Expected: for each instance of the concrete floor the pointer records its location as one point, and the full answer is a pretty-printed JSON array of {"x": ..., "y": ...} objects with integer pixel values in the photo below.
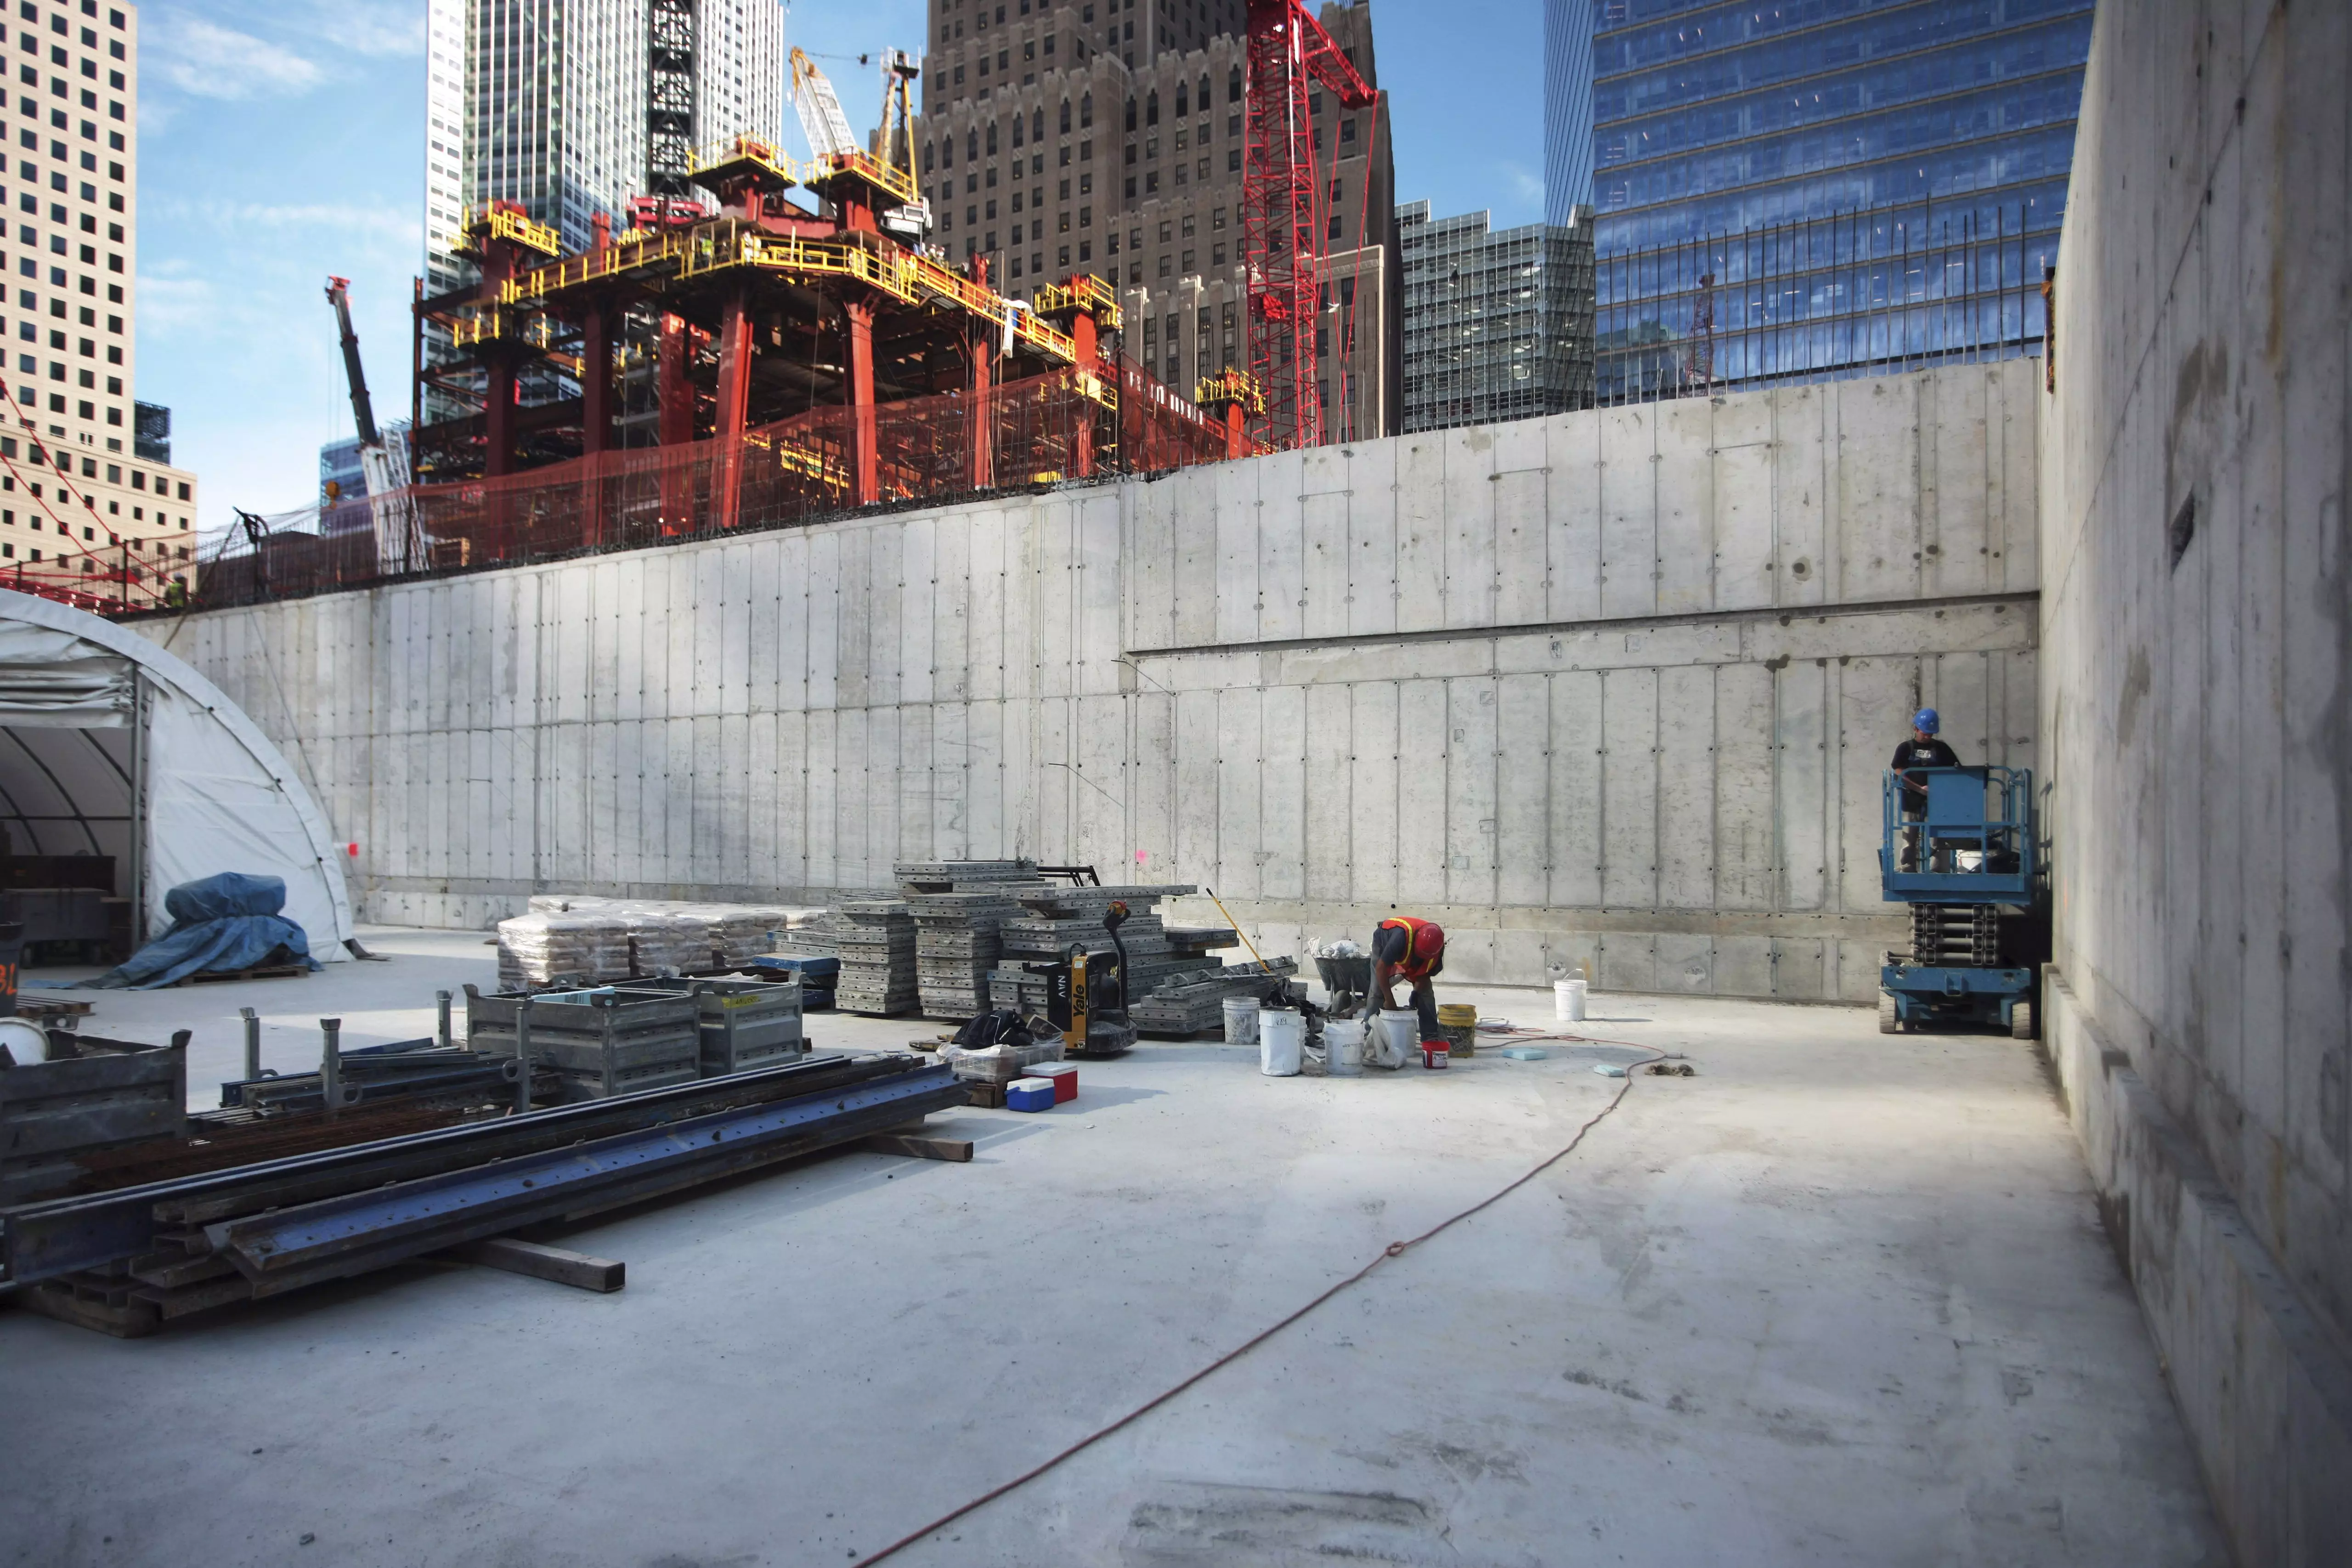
[{"x": 1841, "y": 1299}]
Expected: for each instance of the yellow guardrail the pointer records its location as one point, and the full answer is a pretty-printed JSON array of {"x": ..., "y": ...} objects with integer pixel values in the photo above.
[
  {"x": 636, "y": 251},
  {"x": 748, "y": 150},
  {"x": 905, "y": 276},
  {"x": 1231, "y": 384},
  {"x": 497, "y": 223},
  {"x": 881, "y": 176},
  {"x": 1087, "y": 293}
]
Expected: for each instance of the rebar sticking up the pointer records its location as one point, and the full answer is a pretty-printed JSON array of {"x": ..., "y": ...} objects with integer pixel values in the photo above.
[{"x": 331, "y": 1063}]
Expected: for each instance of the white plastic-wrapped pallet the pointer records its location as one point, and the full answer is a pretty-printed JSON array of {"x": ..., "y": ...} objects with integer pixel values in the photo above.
[{"x": 535, "y": 948}]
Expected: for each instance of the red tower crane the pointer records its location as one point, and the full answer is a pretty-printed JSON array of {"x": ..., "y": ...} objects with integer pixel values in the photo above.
[{"x": 1284, "y": 208}]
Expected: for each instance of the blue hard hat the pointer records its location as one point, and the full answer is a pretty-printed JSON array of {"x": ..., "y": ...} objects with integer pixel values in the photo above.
[{"x": 1926, "y": 720}]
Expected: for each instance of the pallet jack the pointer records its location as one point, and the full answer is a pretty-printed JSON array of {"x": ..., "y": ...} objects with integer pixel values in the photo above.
[
  {"x": 1968, "y": 867},
  {"x": 1086, "y": 995}
]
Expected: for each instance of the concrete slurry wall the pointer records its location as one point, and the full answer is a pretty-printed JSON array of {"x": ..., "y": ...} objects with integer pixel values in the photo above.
[
  {"x": 2195, "y": 627},
  {"x": 1612, "y": 688}
]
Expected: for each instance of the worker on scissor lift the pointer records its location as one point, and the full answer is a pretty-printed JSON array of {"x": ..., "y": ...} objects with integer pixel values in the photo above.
[
  {"x": 1923, "y": 750},
  {"x": 1412, "y": 951}
]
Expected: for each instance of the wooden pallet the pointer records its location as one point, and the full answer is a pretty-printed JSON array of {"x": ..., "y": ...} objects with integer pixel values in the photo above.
[{"x": 259, "y": 972}]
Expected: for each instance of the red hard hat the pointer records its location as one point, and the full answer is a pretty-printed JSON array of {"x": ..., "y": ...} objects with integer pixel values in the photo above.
[{"x": 1429, "y": 941}]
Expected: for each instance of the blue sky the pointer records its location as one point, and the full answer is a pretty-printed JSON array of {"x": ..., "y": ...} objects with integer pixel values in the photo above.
[{"x": 280, "y": 141}]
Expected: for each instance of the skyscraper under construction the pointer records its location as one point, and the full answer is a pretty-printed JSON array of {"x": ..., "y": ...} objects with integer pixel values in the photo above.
[{"x": 572, "y": 107}]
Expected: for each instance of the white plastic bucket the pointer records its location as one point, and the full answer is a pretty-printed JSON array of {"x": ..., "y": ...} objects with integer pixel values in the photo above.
[
  {"x": 1396, "y": 1039},
  {"x": 1343, "y": 1047},
  {"x": 1241, "y": 1020},
  {"x": 1568, "y": 1000},
  {"x": 1281, "y": 1043}
]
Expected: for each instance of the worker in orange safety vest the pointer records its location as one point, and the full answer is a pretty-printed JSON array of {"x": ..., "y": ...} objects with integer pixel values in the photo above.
[{"x": 1412, "y": 951}]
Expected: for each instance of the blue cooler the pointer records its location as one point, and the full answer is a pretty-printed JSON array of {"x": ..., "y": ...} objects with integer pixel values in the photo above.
[{"x": 1030, "y": 1094}]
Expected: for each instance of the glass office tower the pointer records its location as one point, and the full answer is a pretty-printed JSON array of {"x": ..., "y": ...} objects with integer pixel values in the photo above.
[
  {"x": 1822, "y": 188},
  {"x": 1568, "y": 110}
]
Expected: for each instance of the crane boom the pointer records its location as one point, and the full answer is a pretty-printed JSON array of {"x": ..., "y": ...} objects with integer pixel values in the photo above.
[
  {"x": 397, "y": 544},
  {"x": 820, "y": 111},
  {"x": 338, "y": 295}
]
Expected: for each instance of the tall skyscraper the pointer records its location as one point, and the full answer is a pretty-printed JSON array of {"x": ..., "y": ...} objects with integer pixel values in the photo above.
[
  {"x": 87, "y": 485},
  {"x": 1568, "y": 110},
  {"x": 552, "y": 104},
  {"x": 1711, "y": 118},
  {"x": 1846, "y": 187},
  {"x": 1105, "y": 136}
]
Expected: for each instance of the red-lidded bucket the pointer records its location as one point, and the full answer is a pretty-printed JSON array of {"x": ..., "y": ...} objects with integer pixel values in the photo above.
[
  {"x": 1435, "y": 1054},
  {"x": 12, "y": 946}
]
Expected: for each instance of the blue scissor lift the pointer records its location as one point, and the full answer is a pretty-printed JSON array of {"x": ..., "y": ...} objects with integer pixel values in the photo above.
[{"x": 1969, "y": 861}]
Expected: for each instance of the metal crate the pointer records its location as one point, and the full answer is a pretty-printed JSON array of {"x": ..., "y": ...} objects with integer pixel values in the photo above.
[
  {"x": 105, "y": 1093},
  {"x": 744, "y": 1024},
  {"x": 603, "y": 1042}
]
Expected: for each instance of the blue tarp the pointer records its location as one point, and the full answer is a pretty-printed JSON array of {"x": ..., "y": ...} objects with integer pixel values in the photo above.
[{"x": 226, "y": 922}]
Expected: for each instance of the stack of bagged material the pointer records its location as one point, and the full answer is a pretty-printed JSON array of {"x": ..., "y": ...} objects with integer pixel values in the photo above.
[
  {"x": 958, "y": 907},
  {"x": 683, "y": 937},
  {"x": 876, "y": 941},
  {"x": 541, "y": 949},
  {"x": 570, "y": 937}
]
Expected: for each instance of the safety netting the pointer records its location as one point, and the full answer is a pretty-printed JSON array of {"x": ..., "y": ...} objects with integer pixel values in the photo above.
[{"x": 1037, "y": 430}]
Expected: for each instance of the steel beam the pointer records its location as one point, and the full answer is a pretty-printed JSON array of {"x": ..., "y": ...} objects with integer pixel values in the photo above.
[
  {"x": 39, "y": 1241},
  {"x": 289, "y": 1248}
]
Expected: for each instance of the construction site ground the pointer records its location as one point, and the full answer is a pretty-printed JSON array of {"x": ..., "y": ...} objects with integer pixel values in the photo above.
[{"x": 1839, "y": 1299}]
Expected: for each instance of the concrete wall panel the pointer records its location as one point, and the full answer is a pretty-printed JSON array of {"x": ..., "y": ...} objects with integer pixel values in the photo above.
[{"x": 1558, "y": 684}]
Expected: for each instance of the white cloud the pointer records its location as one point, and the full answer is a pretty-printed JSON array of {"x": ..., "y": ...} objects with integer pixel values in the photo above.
[
  {"x": 383, "y": 29},
  {"x": 168, "y": 303},
  {"x": 342, "y": 219},
  {"x": 207, "y": 60},
  {"x": 1528, "y": 187}
]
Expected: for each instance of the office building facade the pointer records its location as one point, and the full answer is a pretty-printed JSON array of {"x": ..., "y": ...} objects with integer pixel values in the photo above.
[
  {"x": 1568, "y": 110},
  {"x": 1498, "y": 322},
  {"x": 1107, "y": 137},
  {"x": 85, "y": 490},
  {"x": 1711, "y": 118},
  {"x": 1849, "y": 187}
]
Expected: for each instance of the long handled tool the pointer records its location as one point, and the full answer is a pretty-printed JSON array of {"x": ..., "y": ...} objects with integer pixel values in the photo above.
[{"x": 1261, "y": 963}]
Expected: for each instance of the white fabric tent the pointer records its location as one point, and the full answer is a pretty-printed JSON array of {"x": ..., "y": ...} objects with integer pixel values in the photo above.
[{"x": 109, "y": 745}]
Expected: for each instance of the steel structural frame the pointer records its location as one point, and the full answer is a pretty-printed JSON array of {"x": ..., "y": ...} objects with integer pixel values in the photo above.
[{"x": 670, "y": 44}]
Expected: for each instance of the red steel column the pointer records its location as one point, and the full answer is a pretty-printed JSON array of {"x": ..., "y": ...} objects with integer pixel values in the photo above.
[
  {"x": 596, "y": 382},
  {"x": 734, "y": 408},
  {"x": 674, "y": 422},
  {"x": 983, "y": 401},
  {"x": 864, "y": 438},
  {"x": 499, "y": 419},
  {"x": 1236, "y": 431},
  {"x": 596, "y": 418},
  {"x": 1088, "y": 362}
]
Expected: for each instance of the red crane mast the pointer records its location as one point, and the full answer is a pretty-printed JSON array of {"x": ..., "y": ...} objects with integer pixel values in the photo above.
[{"x": 1283, "y": 208}]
